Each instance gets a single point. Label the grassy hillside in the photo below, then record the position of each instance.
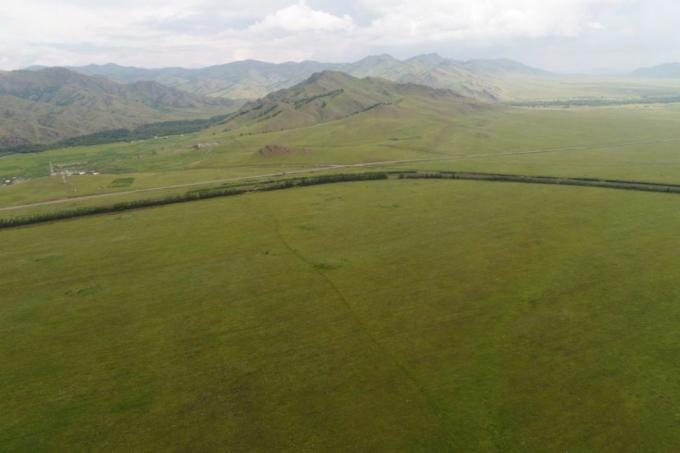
(329, 96)
(382, 316)
(53, 104)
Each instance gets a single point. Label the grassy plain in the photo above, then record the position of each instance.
(383, 316)
(571, 87)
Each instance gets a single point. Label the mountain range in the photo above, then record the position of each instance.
(46, 105)
(254, 79)
(52, 104)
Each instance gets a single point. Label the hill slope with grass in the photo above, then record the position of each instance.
(331, 95)
(52, 104)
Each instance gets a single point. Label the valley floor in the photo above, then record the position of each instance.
(383, 316)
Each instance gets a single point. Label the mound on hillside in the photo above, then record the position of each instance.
(330, 96)
(269, 151)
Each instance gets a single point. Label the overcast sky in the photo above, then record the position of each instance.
(561, 35)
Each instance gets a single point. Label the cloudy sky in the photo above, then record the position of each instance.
(561, 35)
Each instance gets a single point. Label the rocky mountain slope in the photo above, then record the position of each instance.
(52, 104)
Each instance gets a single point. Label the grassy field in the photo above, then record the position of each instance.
(382, 316)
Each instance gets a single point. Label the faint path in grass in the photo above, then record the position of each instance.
(378, 346)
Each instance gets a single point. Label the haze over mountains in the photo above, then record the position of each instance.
(666, 70)
(254, 79)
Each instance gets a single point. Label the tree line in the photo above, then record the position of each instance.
(271, 185)
(195, 195)
(554, 180)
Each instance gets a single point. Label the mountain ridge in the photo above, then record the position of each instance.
(253, 79)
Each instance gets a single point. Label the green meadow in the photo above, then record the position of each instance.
(371, 316)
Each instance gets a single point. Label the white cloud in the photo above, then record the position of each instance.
(300, 17)
(204, 32)
(458, 20)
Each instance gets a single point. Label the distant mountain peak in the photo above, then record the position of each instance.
(376, 59)
(430, 58)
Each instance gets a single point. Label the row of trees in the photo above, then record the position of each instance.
(189, 196)
(271, 185)
(584, 182)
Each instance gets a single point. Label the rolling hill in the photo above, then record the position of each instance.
(334, 95)
(254, 79)
(52, 104)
